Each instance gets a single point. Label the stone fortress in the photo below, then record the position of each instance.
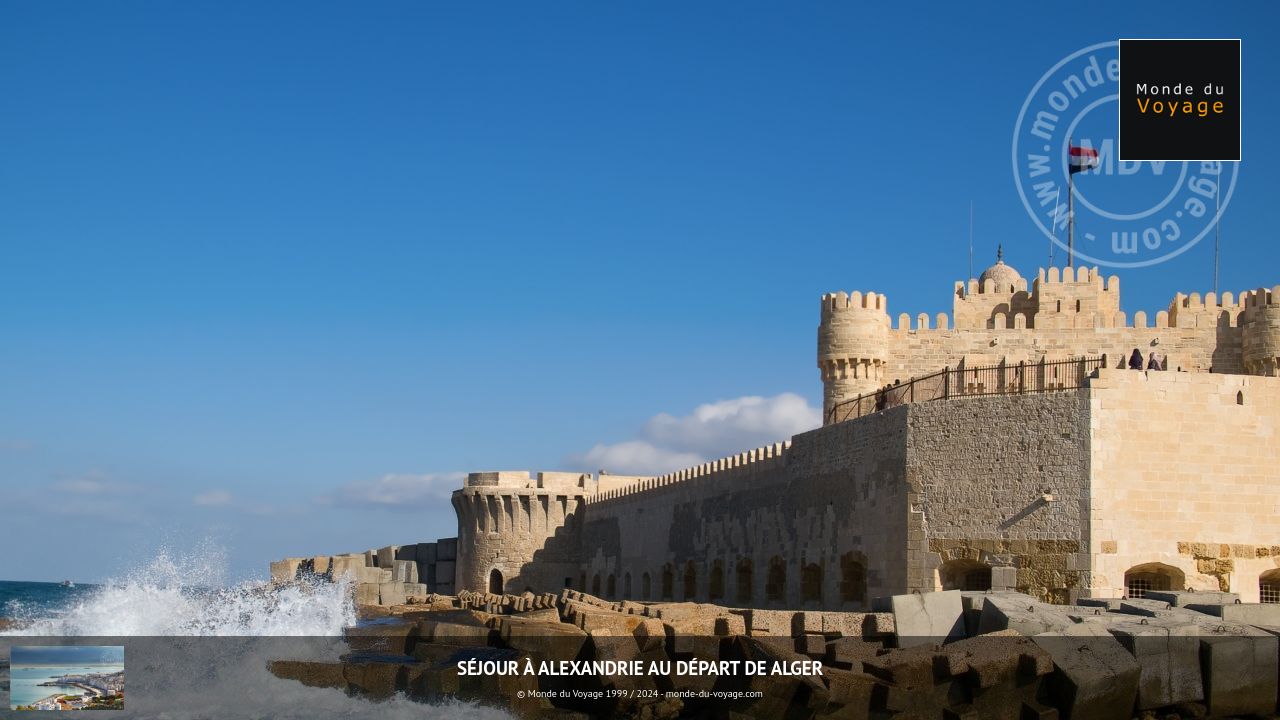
(1114, 483)
(1007, 446)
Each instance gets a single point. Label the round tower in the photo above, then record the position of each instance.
(517, 532)
(1260, 337)
(853, 345)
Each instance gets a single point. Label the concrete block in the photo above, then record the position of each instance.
(405, 571)
(1240, 671)
(407, 552)
(1168, 654)
(1189, 598)
(927, 617)
(285, 570)
(347, 567)
(1249, 613)
(1094, 677)
(426, 553)
(320, 564)
(391, 593)
(447, 549)
(444, 572)
(1021, 613)
(387, 556)
(546, 640)
(366, 594)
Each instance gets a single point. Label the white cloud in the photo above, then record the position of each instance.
(213, 498)
(633, 457)
(712, 430)
(94, 483)
(397, 491)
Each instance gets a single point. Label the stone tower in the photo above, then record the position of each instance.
(1261, 337)
(517, 531)
(853, 345)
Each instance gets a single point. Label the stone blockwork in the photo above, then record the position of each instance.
(1155, 479)
(1060, 495)
(1185, 471)
(1064, 313)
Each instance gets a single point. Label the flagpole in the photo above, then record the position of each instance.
(1057, 214)
(1071, 210)
(1217, 231)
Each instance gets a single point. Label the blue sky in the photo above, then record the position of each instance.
(68, 655)
(274, 273)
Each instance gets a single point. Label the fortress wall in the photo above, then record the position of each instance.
(822, 524)
(979, 470)
(1186, 477)
(1197, 349)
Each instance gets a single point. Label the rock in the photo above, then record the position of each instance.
(544, 640)
(850, 690)
(781, 695)
(311, 673)
(925, 618)
(386, 638)
(376, 677)
(769, 622)
(849, 652)
(650, 634)
(1094, 677)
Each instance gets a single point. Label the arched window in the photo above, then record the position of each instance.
(668, 582)
(744, 573)
(715, 590)
(853, 578)
(611, 587)
(690, 581)
(595, 585)
(775, 586)
(964, 574)
(495, 582)
(811, 582)
(626, 585)
(1269, 586)
(1240, 397)
(1139, 579)
(644, 586)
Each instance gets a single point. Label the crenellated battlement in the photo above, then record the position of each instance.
(1063, 312)
(758, 458)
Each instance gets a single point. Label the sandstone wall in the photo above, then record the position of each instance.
(1002, 481)
(1185, 470)
(821, 524)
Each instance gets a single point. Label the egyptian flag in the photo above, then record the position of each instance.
(1082, 159)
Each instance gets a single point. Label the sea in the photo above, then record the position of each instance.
(25, 682)
(197, 648)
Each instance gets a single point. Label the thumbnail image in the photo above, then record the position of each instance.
(81, 677)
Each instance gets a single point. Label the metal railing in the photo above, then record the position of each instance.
(1001, 379)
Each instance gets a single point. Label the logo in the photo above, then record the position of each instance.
(1126, 213)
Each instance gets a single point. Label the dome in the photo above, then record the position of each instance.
(1003, 275)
